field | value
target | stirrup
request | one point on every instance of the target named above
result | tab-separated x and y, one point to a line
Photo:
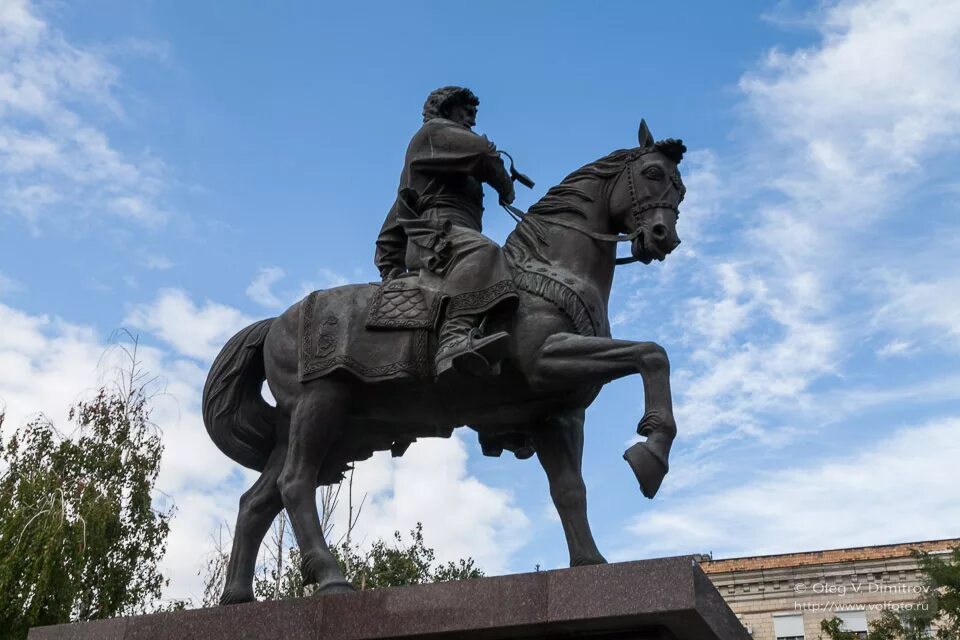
472	355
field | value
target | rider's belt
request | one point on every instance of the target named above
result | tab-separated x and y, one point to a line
450	208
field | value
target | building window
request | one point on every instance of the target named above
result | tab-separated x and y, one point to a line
855	621
788	627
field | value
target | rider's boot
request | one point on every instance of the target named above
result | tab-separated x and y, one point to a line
463	348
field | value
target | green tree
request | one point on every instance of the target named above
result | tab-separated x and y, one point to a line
80	538
937	615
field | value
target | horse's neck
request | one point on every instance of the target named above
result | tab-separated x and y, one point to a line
574	252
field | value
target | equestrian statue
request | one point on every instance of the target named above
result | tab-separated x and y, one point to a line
512	342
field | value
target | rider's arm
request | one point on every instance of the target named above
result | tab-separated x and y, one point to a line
454	149
498	178
390	257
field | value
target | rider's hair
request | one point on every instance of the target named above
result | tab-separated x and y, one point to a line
440	101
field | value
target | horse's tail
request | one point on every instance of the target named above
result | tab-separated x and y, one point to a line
238	419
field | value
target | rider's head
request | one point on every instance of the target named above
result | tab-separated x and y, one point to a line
453	103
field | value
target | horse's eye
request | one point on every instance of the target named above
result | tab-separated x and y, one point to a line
654	173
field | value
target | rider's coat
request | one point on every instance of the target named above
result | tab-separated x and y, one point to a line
434	226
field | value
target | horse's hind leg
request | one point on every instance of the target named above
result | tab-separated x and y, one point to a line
258	507
315	425
559	443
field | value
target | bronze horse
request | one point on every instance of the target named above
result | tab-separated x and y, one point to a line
563	253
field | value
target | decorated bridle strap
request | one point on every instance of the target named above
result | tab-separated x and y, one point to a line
660	204
602	237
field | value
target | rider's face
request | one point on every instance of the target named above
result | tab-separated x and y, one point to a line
465	114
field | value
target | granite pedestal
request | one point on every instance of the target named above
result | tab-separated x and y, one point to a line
663	599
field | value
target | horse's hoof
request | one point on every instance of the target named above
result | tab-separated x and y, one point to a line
588	561
649	468
238	596
334	586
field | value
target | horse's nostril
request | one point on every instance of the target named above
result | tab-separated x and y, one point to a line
659	231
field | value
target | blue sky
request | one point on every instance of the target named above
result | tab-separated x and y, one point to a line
181	169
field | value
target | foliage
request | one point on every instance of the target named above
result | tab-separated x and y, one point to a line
383	565
834	630
79	536
937	615
214	572
943	577
279	577
278	581
278	574
400	564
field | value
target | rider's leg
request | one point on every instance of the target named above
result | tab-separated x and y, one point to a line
476	280
569	360
463	348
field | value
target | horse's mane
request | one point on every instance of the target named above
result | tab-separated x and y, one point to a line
566	197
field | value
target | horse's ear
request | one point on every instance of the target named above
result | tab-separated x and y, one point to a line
644	136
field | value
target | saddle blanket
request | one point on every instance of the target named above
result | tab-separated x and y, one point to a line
334	337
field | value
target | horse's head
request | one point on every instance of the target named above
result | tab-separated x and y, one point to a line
645	199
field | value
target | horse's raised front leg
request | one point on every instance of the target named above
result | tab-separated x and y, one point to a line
315	425
568	360
559	443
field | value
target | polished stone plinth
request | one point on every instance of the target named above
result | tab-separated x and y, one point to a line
663	599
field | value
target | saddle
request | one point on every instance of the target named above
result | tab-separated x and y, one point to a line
403	303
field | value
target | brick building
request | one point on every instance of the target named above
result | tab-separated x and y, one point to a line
784	597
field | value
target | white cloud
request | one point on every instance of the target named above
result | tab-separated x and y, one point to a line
157	262
855	103
845	500
461	516
810	270
8	285
326	279
46	364
259	290
922	308
754	346
895	348
841	133
195	331
49	152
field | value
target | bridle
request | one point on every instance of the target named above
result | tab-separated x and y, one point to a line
637	209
